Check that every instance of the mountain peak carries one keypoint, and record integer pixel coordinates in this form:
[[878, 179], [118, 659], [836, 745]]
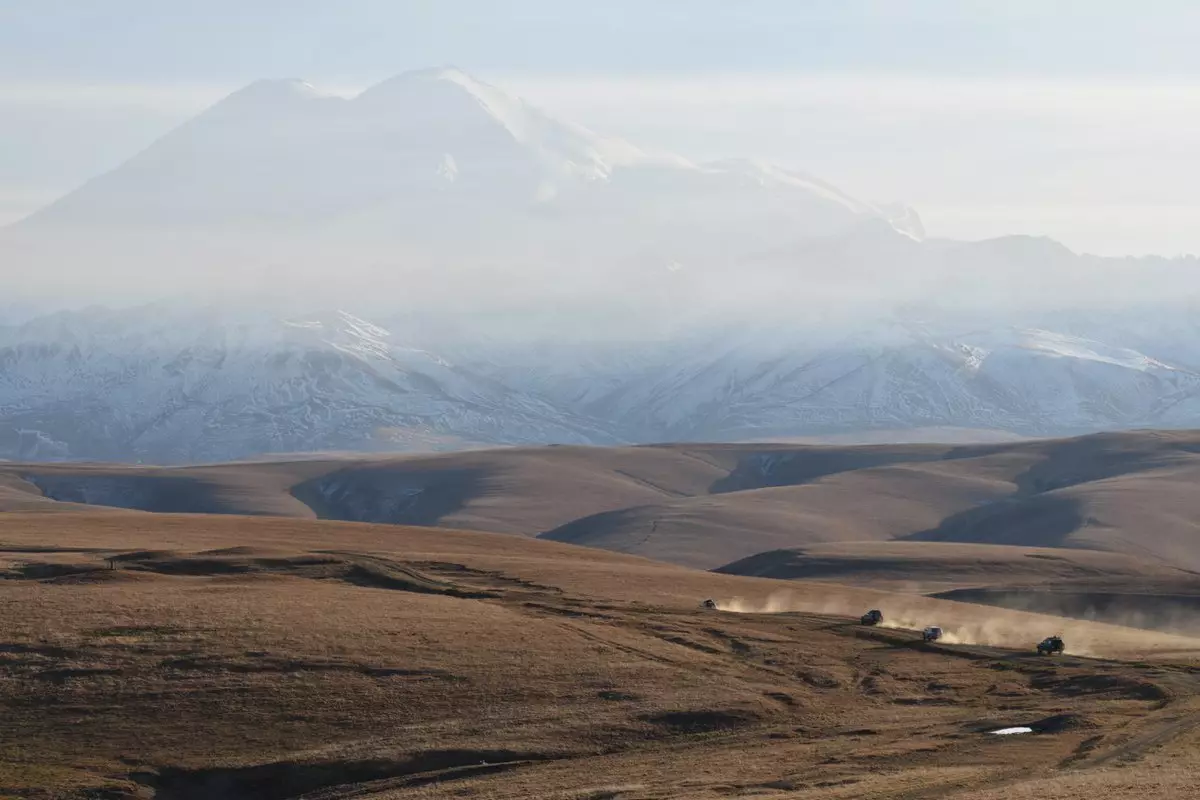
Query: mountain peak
[[433, 78], [265, 99], [448, 94], [273, 90], [446, 72], [450, 100]]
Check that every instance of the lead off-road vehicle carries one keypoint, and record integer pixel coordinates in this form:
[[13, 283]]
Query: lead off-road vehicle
[[872, 617], [932, 633], [1050, 645]]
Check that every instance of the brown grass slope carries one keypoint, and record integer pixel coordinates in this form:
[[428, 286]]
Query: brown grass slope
[[1124, 493], [1153, 513], [252, 657], [513, 491], [873, 504], [518, 490], [219, 489], [929, 567], [708, 505]]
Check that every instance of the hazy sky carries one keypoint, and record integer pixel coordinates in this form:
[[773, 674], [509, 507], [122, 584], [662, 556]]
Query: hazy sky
[[1073, 119]]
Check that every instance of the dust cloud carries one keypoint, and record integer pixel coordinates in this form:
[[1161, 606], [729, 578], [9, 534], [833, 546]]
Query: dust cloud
[[967, 624], [1161, 613]]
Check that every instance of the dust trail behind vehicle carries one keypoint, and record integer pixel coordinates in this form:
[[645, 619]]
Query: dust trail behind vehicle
[[971, 624]]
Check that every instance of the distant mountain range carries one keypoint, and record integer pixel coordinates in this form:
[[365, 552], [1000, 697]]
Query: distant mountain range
[[527, 280], [162, 385]]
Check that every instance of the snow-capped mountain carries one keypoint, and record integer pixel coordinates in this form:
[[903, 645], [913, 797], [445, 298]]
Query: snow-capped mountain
[[531, 281], [280, 152], [428, 171], [160, 385], [743, 381], [1027, 381]]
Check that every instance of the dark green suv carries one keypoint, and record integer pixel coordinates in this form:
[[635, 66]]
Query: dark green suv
[[1049, 646]]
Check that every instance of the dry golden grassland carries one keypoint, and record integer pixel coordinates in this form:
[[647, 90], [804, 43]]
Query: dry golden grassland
[[243, 657]]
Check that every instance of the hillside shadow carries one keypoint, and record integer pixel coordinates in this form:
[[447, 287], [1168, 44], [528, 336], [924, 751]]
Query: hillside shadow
[[804, 465], [1100, 456], [153, 493], [391, 495], [281, 781], [1040, 520]]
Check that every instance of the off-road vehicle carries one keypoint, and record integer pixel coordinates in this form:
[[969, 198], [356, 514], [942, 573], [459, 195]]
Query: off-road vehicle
[[1050, 645]]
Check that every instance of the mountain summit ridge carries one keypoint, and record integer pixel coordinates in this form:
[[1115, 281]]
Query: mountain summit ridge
[[404, 127]]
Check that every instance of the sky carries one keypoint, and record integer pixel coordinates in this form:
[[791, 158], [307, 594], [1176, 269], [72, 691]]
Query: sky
[[1071, 119]]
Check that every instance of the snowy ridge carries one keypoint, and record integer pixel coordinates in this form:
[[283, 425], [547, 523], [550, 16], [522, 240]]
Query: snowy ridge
[[138, 386], [158, 384], [1064, 346]]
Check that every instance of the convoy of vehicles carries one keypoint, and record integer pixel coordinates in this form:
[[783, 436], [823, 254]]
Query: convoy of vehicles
[[1051, 645]]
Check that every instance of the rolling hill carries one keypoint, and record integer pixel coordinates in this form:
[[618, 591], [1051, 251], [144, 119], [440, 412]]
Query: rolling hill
[[928, 567], [707, 505], [1123, 493], [187, 656]]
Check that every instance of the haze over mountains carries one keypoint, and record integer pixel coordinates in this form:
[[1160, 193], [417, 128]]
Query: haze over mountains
[[171, 386], [434, 263]]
